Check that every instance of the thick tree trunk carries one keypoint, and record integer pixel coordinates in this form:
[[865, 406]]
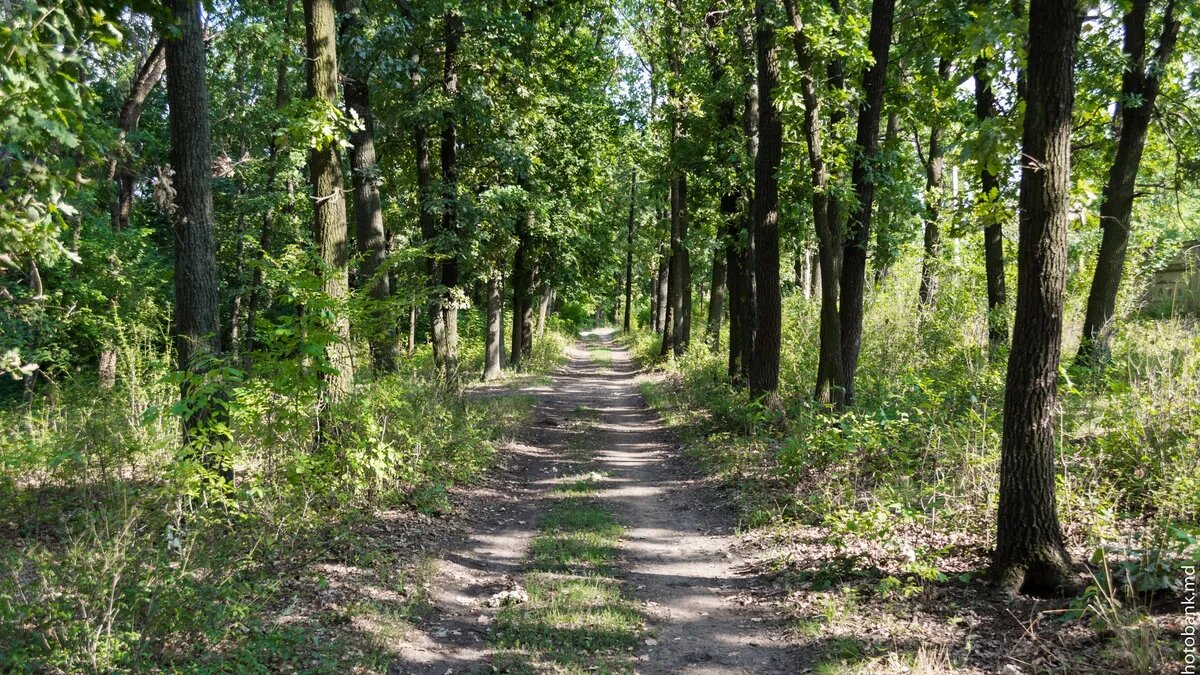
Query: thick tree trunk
[[494, 345], [1140, 82], [449, 156], [677, 325], [197, 306], [329, 202], [1029, 555], [747, 308], [854, 253], [828, 389], [935, 164], [369, 232], [629, 251], [764, 368], [522, 279], [993, 225]]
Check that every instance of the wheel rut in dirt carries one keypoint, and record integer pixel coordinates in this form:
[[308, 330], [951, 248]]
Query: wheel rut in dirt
[[675, 558]]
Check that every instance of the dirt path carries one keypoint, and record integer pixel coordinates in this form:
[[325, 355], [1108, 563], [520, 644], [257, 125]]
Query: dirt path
[[675, 552]]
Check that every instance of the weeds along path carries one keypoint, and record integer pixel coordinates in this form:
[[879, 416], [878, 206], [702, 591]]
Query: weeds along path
[[597, 549]]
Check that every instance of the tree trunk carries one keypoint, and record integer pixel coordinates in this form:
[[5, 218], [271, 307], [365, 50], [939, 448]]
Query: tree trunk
[[935, 164], [828, 389], [764, 368], [495, 330], [144, 81], [662, 283], [282, 98], [884, 255], [412, 330], [1140, 81], [993, 226], [1029, 555], [522, 320], [854, 253], [329, 203], [746, 308], [450, 225], [543, 309], [369, 232], [674, 332], [629, 251], [197, 304]]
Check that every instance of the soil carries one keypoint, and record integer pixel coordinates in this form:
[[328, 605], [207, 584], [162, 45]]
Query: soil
[[678, 555]]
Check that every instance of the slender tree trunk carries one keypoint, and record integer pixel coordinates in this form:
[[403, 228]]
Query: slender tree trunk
[[1140, 82], [522, 320], [629, 251], [1029, 555], [764, 368], [329, 202], [450, 224], [661, 288], [993, 226], [854, 253], [495, 330], [370, 235], [282, 98], [829, 369], [148, 75], [543, 310], [884, 255], [412, 330], [674, 332], [197, 304], [935, 164]]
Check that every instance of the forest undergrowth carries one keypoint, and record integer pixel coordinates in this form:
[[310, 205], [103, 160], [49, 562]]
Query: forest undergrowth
[[116, 558], [875, 525]]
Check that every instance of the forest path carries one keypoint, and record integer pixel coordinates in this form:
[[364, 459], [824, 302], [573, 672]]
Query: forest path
[[675, 560]]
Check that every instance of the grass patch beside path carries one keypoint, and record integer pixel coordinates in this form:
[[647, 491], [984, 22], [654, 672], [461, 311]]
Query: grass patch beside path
[[577, 618]]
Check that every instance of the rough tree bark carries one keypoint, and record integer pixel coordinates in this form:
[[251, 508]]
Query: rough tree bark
[[828, 389], [329, 201], [764, 368], [675, 332], [494, 345], [522, 280], [448, 366], [660, 291], [854, 252], [993, 225], [935, 165], [747, 309], [1140, 81], [370, 236], [197, 333], [1029, 555]]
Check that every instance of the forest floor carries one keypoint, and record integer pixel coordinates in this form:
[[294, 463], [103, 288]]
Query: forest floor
[[596, 546]]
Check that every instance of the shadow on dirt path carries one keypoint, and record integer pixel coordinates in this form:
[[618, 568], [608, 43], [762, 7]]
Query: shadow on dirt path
[[675, 553]]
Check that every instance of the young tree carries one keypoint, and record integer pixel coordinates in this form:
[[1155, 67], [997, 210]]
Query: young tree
[[993, 226], [678, 325], [448, 361], [935, 164], [1140, 84], [329, 203], [764, 368], [1029, 555], [522, 321], [197, 306], [629, 250]]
